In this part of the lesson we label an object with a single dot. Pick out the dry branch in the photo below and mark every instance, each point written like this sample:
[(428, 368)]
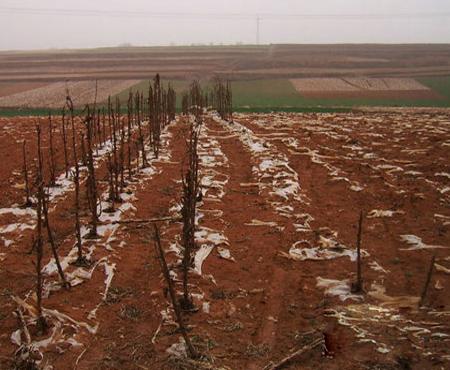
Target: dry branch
[(190, 184), (178, 313), (52, 165), (64, 139), (148, 220), (23, 325), (28, 201), (91, 183), (41, 322), (357, 287), (81, 260), (427, 281), (51, 240), (288, 359)]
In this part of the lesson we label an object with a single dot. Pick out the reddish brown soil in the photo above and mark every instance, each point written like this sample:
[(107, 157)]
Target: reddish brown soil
[(12, 133), (262, 305), (14, 88)]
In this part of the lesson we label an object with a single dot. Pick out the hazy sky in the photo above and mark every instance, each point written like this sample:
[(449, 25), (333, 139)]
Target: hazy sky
[(54, 24)]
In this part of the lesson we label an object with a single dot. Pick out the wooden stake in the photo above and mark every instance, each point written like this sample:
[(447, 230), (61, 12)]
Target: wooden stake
[(357, 287), (41, 322), (83, 151), (129, 115), (91, 182), (178, 314), (188, 210), (285, 361), (427, 281), (148, 220), (28, 202), (81, 260), (64, 138), (122, 155), (112, 192), (52, 166), (51, 240)]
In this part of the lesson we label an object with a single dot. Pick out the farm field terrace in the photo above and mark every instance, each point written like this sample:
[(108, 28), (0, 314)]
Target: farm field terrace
[(262, 95), (275, 256), (281, 95), (263, 77)]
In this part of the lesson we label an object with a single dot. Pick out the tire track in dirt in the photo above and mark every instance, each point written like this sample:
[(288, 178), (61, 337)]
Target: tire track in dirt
[(255, 249)]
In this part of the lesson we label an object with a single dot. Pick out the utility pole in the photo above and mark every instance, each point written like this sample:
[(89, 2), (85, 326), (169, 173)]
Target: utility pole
[(258, 19)]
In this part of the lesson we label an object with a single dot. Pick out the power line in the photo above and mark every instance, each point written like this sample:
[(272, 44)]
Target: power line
[(198, 15), (257, 29)]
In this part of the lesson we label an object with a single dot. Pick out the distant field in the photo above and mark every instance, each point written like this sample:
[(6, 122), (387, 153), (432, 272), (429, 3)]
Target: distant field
[(262, 95), (264, 78), (357, 84), (236, 62), (440, 84), (9, 88), (54, 95), (280, 93), (395, 88)]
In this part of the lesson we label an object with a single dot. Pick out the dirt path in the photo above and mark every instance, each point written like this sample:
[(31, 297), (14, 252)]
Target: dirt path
[(264, 288)]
